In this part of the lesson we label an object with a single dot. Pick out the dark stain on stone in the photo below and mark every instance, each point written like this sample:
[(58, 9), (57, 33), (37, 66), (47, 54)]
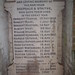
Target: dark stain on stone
[(31, 68)]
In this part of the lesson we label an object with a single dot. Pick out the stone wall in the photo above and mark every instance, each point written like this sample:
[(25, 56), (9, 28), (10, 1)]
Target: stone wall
[(3, 39), (73, 38), (67, 38)]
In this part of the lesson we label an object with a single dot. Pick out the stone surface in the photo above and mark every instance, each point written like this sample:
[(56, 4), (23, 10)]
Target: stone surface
[(30, 51), (3, 39), (67, 36)]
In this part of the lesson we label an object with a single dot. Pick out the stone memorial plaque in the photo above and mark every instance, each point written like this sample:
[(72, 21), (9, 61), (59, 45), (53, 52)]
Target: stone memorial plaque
[(35, 31)]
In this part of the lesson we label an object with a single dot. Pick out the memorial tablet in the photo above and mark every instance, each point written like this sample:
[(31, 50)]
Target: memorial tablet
[(34, 28)]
